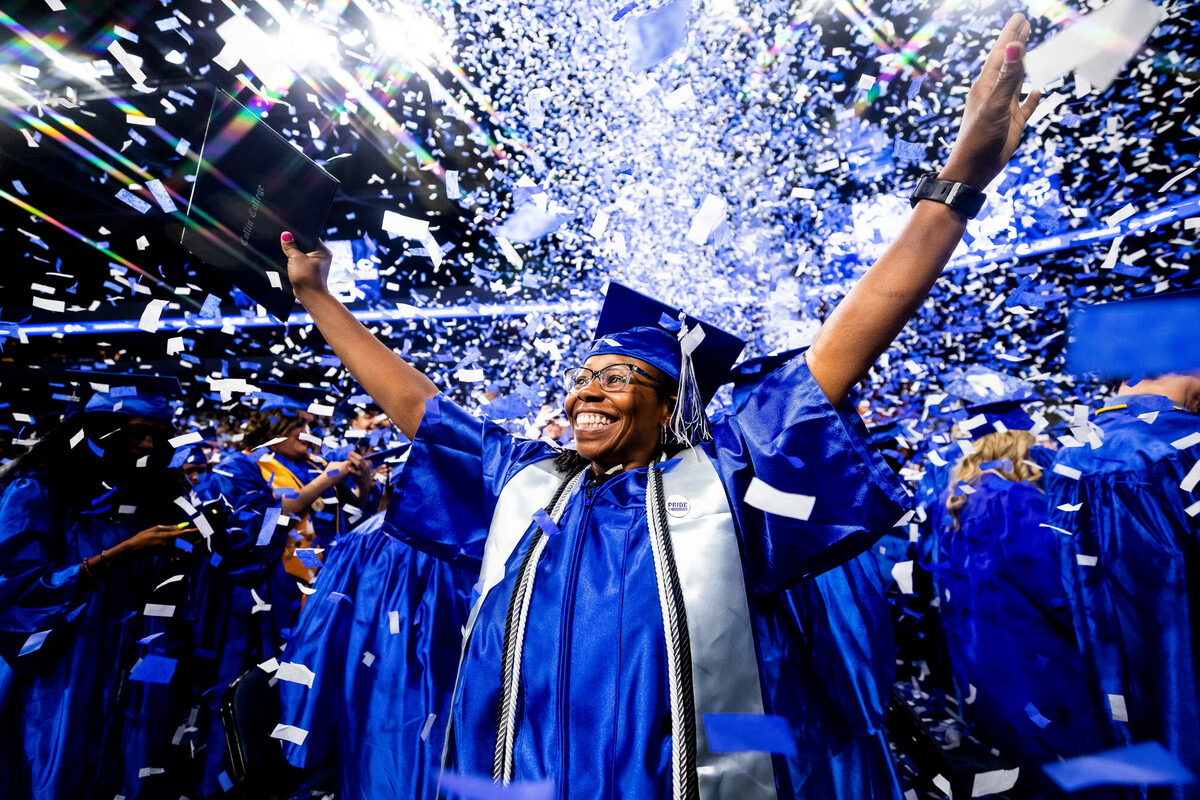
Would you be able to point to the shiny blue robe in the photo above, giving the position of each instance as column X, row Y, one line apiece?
column 226, row 624
column 846, row 678
column 371, row 717
column 73, row 727
column 1137, row 610
column 1008, row 628
column 594, row 711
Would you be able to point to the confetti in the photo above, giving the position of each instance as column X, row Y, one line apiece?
column 1145, row 763
column 295, row 673
column 289, row 733
column 33, row 643
column 471, row 787
column 153, row 669
column 734, row 733
column 764, row 497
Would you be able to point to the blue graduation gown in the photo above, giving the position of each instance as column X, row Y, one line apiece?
column 1008, row 627
column 74, row 726
column 230, row 634
column 842, row 617
column 374, row 717
column 1135, row 609
column 594, row 707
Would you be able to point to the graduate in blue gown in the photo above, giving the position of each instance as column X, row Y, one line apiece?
column 1008, row 627
column 630, row 592
column 83, row 556
column 245, row 611
column 381, row 635
column 1131, row 567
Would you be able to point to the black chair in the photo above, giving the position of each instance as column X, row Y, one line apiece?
column 249, row 712
column 910, row 735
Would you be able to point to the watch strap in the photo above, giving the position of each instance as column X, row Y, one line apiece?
column 964, row 199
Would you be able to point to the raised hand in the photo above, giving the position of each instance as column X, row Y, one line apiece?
column 994, row 117
column 308, row 272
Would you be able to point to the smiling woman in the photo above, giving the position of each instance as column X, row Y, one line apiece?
column 631, row 600
column 618, row 418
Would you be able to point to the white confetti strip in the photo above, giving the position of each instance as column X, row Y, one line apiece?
column 765, row 497
column 1191, row 440
column 149, row 321
column 193, row 437
column 994, row 782
column 289, row 733
column 428, row 726
column 295, row 673
column 1067, row 472
column 1116, row 702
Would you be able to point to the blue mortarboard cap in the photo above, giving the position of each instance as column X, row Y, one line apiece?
column 638, row 325
column 652, row 345
column 288, row 397
column 635, row 325
column 1149, row 335
column 127, row 393
column 1008, row 415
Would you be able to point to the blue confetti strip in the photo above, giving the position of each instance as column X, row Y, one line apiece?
column 309, row 558
column 1036, row 716
column 33, row 643
column 153, row 669
column 1146, row 763
column 433, row 414
column 270, row 521
column 738, row 733
column 544, row 522
column 472, row 787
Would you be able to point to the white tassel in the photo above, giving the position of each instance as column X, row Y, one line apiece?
column 688, row 422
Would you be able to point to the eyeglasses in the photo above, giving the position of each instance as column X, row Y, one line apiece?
column 613, row 378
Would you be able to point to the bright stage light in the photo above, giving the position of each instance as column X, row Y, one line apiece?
column 309, row 45
column 410, row 34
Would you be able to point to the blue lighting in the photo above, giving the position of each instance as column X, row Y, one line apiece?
column 1189, row 207
column 1183, row 209
column 403, row 313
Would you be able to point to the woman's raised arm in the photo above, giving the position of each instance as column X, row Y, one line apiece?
column 871, row 315
column 398, row 387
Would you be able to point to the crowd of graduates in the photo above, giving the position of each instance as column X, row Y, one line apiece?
column 304, row 603
column 1048, row 614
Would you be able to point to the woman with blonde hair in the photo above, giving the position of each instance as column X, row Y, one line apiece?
column 1004, row 612
column 288, row 501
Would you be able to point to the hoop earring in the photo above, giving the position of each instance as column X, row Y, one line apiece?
column 664, row 436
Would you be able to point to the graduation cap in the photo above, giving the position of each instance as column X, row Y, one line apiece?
column 1148, row 335
column 127, row 393
column 695, row 354
column 252, row 185
column 289, row 397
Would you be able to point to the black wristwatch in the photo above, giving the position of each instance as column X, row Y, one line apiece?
column 964, row 199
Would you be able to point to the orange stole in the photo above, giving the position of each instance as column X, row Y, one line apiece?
column 280, row 477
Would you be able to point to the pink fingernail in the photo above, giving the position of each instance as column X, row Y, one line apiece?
column 287, row 237
column 1012, row 53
